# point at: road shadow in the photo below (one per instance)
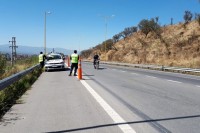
(57, 70)
(101, 68)
(87, 75)
(117, 124)
(10, 119)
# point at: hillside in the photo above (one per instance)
(179, 45)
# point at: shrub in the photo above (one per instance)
(9, 95)
(2, 65)
(147, 26)
(197, 18)
(187, 16)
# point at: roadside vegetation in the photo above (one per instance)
(11, 94)
(6, 69)
(152, 43)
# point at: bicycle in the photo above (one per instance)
(96, 64)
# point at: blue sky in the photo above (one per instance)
(79, 24)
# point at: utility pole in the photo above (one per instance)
(45, 17)
(106, 26)
(14, 52)
(171, 21)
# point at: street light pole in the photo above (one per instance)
(106, 25)
(45, 17)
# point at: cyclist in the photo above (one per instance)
(96, 59)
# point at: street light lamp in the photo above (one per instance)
(106, 25)
(45, 16)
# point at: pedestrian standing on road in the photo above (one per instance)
(41, 59)
(74, 62)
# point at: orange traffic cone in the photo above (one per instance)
(68, 61)
(79, 70)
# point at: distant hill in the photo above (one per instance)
(177, 45)
(32, 50)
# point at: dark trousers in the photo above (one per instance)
(42, 64)
(74, 65)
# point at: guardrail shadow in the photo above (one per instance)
(133, 122)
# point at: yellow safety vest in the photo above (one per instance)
(74, 58)
(41, 58)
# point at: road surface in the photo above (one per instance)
(112, 99)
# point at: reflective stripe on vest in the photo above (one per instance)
(40, 57)
(74, 58)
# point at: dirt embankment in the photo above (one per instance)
(178, 45)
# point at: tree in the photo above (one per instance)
(197, 17)
(108, 44)
(157, 18)
(147, 26)
(144, 26)
(127, 32)
(86, 53)
(187, 16)
(116, 38)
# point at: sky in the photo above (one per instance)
(80, 24)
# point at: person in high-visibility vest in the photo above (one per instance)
(41, 59)
(74, 62)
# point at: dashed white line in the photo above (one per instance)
(134, 73)
(198, 86)
(126, 128)
(150, 76)
(123, 71)
(174, 81)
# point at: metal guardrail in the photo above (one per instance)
(156, 67)
(10, 80)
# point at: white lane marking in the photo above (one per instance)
(126, 128)
(114, 69)
(123, 71)
(197, 86)
(151, 76)
(134, 73)
(174, 81)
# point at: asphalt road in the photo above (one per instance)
(112, 99)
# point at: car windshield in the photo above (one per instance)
(53, 57)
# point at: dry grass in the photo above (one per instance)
(181, 47)
(19, 66)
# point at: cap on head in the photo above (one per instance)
(41, 53)
(75, 51)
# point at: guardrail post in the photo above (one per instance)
(162, 68)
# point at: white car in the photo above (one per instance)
(54, 62)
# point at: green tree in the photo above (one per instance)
(147, 26)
